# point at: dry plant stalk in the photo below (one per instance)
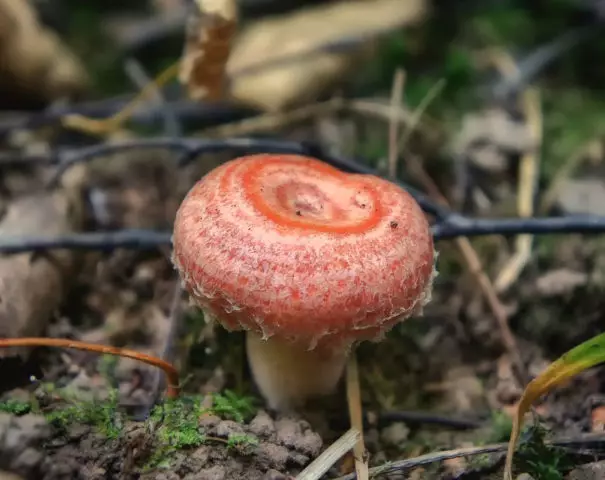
(33, 60)
(464, 245)
(318, 468)
(528, 170)
(172, 375)
(113, 124)
(356, 417)
(209, 34)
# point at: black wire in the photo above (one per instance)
(448, 224)
(193, 147)
(152, 239)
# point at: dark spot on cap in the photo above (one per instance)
(298, 212)
(394, 224)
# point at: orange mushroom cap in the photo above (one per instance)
(292, 248)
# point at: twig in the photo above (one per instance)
(433, 457)
(317, 469)
(115, 122)
(172, 375)
(174, 317)
(407, 464)
(396, 94)
(356, 417)
(417, 114)
(140, 78)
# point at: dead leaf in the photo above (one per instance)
(33, 59)
(210, 31)
(32, 285)
(297, 66)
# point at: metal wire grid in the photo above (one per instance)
(446, 224)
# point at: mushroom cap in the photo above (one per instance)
(293, 248)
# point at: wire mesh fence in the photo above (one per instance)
(446, 223)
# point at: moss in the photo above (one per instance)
(15, 407)
(101, 415)
(176, 426)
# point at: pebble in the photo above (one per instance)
(395, 435)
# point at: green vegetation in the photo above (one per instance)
(540, 460)
(501, 427)
(16, 407)
(102, 415)
(176, 425)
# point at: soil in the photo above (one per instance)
(443, 380)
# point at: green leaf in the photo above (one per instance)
(578, 359)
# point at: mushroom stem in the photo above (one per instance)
(287, 375)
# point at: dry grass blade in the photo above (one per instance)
(396, 94)
(471, 258)
(330, 456)
(417, 114)
(211, 29)
(108, 126)
(356, 417)
(528, 173)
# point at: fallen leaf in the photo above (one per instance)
(297, 50)
(210, 30)
(33, 60)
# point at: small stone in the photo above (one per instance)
(217, 472)
(583, 196)
(299, 459)
(9, 476)
(590, 471)
(262, 425)
(395, 435)
(297, 434)
(273, 475)
(27, 460)
(227, 428)
(209, 422)
(525, 476)
(272, 455)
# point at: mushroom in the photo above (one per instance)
(307, 259)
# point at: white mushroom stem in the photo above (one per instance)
(288, 375)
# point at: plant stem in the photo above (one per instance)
(172, 376)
